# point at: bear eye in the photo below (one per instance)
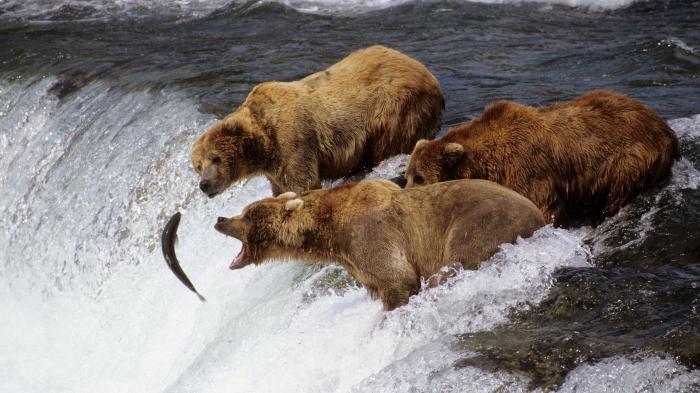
(418, 179)
(216, 160)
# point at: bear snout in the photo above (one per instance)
(221, 225)
(210, 188)
(399, 180)
(230, 227)
(211, 183)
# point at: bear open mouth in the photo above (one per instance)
(240, 260)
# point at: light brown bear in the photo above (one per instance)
(371, 105)
(577, 161)
(387, 237)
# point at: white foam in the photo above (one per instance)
(686, 127)
(675, 42)
(94, 308)
(359, 6)
(42, 10)
(89, 305)
(389, 168)
(430, 369)
(332, 342)
(621, 375)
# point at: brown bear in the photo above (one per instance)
(387, 237)
(579, 161)
(371, 105)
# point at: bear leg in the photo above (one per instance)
(395, 288)
(473, 239)
(626, 175)
(394, 297)
(300, 175)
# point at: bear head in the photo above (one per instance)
(272, 228)
(233, 149)
(433, 161)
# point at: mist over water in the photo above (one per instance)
(100, 103)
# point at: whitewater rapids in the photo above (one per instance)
(89, 305)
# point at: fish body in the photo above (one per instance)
(168, 241)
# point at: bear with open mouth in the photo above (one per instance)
(386, 237)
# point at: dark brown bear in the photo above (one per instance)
(373, 104)
(580, 160)
(388, 238)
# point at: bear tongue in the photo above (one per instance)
(237, 262)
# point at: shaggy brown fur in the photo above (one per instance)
(580, 160)
(388, 238)
(373, 104)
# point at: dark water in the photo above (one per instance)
(480, 53)
(642, 295)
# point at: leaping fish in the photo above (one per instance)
(167, 243)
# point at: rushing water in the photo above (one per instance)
(100, 102)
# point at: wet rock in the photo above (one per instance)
(592, 314)
(70, 82)
(324, 281)
(544, 356)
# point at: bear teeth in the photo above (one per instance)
(238, 260)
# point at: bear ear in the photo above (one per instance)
(294, 204)
(421, 142)
(287, 195)
(228, 129)
(453, 151)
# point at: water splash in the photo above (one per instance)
(47, 11)
(92, 307)
(615, 375)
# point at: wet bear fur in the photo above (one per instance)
(386, 237)
(373, 104)
(578, 161)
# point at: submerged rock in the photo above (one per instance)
(70, 82)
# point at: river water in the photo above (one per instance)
(100, 102)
